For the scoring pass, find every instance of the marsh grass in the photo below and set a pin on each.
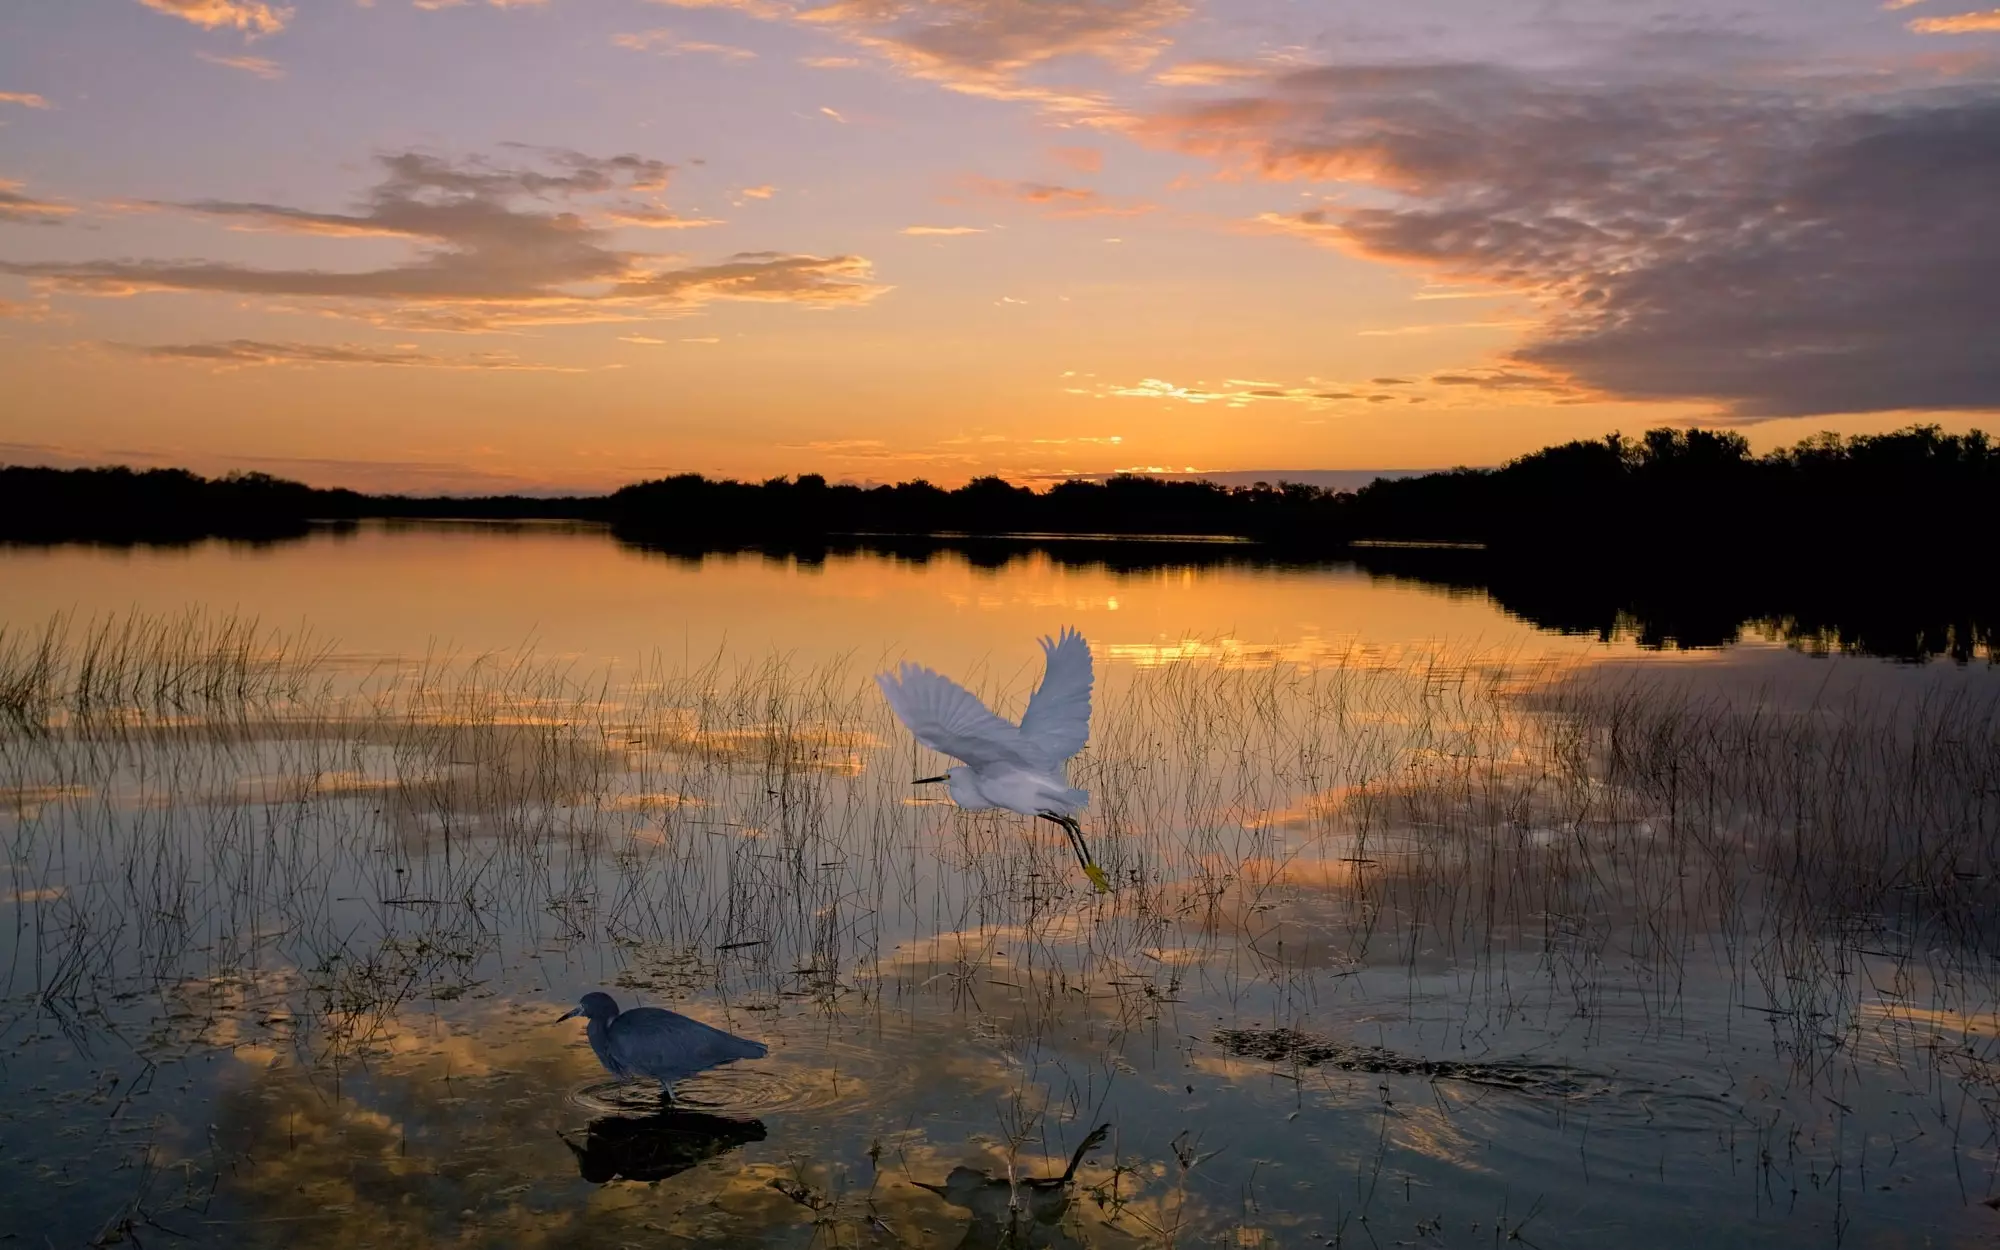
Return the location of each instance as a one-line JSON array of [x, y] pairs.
[[213, 844]]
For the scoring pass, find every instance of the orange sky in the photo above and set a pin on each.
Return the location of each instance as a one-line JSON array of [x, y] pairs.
[[463, 246]]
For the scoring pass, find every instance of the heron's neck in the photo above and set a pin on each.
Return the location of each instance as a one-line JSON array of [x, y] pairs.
[[599, 1033]]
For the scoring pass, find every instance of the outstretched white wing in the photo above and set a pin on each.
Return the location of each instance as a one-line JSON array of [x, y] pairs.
[[1057, 721], [947, 717]]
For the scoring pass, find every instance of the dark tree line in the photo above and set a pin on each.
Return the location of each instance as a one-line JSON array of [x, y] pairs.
[[1670, 494], [1878, 543], [1694, 491]]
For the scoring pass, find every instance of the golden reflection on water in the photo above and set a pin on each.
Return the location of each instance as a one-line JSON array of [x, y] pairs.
[[441, 1132], [473, 589]]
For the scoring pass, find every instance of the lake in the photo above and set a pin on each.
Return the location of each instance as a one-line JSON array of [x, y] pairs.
[[1430, 926]]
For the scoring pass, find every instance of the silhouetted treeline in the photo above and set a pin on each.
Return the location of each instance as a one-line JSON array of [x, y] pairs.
[[121, 505], [163, 505], [694, 506], [1702, 492], [1881, 544], [1670, 494]]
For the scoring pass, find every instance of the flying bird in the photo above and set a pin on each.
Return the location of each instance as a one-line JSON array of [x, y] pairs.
[[1019, 768], [655, 1042]]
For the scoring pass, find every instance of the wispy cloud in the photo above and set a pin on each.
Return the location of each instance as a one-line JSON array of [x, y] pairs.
[[21, 209], [655, 217], [26, 99], [261, 67], [944, 230], [22, 310], [1319, 393], [1057, 200], [764, 192], [985, 47], [251, 17], [1987, 22], [1801, 248], [255, 353], [1086, 160], [496, 246], [1210, 73], [457, 4], [666, 43]]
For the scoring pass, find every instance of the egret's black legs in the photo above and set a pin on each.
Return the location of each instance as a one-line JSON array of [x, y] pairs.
[[1068, 827], [1082, 849]]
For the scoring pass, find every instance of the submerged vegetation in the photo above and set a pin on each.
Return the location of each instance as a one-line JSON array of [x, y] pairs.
[[1431, 944]]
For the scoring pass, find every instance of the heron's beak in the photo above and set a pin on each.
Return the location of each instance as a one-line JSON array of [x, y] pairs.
[[574, 1011], [925, 781]]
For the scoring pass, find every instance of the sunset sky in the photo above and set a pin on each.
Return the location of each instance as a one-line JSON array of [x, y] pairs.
[[464, 245]]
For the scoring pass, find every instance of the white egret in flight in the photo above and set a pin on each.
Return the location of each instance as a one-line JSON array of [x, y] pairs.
[[1021, 768]]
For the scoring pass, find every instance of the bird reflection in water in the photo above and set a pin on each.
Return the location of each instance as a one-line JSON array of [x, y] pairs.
[[654, 1147], [1021, 1214]]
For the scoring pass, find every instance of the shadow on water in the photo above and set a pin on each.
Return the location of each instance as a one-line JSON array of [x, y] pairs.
[[654, 1147]]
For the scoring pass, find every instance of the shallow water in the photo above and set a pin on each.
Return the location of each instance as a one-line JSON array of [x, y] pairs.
[[1430, 929]]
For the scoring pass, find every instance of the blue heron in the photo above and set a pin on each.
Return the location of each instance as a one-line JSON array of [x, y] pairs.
[[1022, 768], [655, 1042]]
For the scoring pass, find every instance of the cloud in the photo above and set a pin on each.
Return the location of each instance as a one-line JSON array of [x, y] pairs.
[[261, 67], [764, 192], [494, 246], [986, 47], [19, 209], [655, 217], [1235, 393], [249, 16], [1790, 247], [666, 43], [1959, 24], [27, 99], [1085, 160], [943, 230], [1210, 73], [1058, 200], [249, 353]]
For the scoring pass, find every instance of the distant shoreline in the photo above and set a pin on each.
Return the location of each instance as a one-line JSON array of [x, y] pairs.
[[1915, 495]]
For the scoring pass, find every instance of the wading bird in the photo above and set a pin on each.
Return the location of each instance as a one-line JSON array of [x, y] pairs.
[[655, 1042], [1020, 768]]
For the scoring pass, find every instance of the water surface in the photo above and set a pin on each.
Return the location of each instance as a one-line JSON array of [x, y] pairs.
[[1432, 928]]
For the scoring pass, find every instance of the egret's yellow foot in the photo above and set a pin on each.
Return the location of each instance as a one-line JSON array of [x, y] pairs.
[[1098, 880]]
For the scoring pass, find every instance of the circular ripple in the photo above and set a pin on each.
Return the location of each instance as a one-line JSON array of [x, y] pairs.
[[822, 1073]]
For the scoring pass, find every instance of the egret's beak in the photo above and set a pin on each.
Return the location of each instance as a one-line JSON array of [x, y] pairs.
[[925, 781], [574, 1011]]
